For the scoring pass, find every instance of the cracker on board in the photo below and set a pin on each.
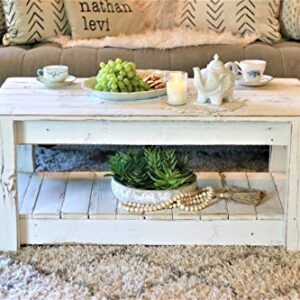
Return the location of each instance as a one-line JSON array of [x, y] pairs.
[[155, 82]]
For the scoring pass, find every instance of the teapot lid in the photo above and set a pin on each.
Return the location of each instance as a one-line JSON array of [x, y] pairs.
[[216, 63]]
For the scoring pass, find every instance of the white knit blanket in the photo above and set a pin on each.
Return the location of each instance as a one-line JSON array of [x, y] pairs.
[[160, 39]]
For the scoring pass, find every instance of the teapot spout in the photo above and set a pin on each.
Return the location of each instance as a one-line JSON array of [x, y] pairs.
[[198, 80]]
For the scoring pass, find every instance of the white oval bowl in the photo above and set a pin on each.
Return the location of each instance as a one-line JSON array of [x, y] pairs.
[[127, 194], [89, 85]]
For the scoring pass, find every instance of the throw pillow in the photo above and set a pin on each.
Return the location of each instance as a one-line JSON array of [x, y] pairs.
[[158, 14], [236, 16], [31, 21], [2, 21], [97, 19], [290, 18]]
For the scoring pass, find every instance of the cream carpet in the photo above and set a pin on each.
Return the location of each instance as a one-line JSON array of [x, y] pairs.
[[140, 272]]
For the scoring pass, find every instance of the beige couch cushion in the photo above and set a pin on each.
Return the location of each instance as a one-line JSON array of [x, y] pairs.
[[237, 16], [30, 21], [92, 19], [290, 18]]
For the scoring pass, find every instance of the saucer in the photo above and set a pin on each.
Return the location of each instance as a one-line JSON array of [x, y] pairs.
[[264, 80], [69, 80]]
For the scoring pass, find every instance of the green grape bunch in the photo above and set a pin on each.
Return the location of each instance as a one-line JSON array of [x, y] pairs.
[[119, 76]]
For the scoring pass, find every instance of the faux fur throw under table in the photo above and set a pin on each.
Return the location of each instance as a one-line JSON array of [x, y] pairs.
[[160, 39]]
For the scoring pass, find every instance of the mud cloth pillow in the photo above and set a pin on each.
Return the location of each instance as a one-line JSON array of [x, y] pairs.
[[290, 18], [31, 21], [2, 22], [96, 19], [236, 16]]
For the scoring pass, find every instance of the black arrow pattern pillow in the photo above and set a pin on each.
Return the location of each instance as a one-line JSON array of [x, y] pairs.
[[31, 21], [237, 16], [2, 22]]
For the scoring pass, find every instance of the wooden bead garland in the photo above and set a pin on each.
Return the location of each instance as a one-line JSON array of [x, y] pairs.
[[193, 201], [200, 199]]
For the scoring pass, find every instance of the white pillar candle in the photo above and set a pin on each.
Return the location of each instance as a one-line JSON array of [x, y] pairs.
[[177, 88]]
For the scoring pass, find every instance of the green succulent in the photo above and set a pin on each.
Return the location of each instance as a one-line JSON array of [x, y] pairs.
[[152, 168], [129, 168]]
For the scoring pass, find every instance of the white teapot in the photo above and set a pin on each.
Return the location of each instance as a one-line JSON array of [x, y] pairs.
[[215, 83]]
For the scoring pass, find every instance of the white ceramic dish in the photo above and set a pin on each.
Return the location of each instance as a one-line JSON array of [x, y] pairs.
[[127, 194], [90, 83], [264, 80], [54, 85]]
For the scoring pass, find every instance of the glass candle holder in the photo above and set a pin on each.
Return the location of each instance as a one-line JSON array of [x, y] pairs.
[[177, 88]]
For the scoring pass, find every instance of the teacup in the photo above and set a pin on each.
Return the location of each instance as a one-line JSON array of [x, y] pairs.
[[54, 73], [252, 70]]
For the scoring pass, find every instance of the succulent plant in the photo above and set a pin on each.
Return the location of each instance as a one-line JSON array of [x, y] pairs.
[[152, 168]]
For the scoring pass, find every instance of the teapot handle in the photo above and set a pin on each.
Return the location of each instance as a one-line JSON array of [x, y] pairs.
[[234, 67]]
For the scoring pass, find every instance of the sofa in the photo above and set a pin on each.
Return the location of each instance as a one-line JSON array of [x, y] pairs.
[[283, 58], [25, 22]]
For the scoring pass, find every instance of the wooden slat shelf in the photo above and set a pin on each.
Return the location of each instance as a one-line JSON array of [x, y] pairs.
[[89, 196]]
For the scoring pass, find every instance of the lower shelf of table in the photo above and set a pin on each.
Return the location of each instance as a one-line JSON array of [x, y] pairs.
[[80, 207], [152, 232]]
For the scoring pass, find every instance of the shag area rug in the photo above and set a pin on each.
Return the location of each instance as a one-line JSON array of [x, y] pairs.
[[140, 272]]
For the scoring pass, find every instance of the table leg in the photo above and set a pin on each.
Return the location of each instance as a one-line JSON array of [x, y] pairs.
[[292, 207], [278, 158], [9, 239], [26, 161]]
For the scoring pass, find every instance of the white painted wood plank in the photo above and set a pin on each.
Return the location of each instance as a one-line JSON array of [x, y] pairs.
[[23, 180], [72, 175], [153, 232], [122, 214], [77, 199], [25, 82], [164, 214], [270, 207], [292, 213], [26, 161], [280, 184], [217, 210], [103, 202], [279, 98], [278, 159], [9, 219], [31, 196], [179, 214], [145, 132], [50, 199], [236, 210]]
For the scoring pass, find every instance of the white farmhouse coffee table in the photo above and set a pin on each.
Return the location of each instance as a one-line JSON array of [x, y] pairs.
[[80, 207]]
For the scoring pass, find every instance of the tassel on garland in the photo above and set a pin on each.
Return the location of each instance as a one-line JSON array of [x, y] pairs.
[[240, 194], [243, 195]]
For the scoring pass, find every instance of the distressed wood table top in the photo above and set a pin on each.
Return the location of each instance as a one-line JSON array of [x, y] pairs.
[[25, 98]]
